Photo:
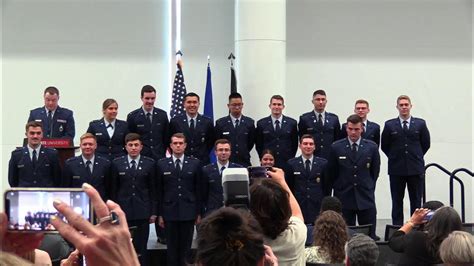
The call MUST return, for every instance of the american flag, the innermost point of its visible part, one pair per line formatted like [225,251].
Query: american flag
[179,90]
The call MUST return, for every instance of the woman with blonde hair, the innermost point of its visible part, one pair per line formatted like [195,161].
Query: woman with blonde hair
[457,249]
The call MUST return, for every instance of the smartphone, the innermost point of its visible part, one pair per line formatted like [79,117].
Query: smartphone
[258,171]
[29,209]
[428,216]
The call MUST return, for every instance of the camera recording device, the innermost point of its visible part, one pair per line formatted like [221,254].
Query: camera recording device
[30,209]
[258,171]
[235,183]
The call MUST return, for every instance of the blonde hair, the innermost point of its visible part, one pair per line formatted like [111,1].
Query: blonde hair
[457,249]
[9,259]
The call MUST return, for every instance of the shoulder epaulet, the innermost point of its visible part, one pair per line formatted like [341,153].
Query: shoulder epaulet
[146,158]
[339,141]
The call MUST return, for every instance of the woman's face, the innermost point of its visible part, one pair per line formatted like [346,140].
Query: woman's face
[267,160]
[110,113]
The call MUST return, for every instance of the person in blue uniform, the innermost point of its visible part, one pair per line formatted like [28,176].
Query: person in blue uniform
[371,129]
[213,193]
[109,131]
[238,129]
[57,122]
[405,141]
[307,175]
[198,129]
[179,192]
[355,166]
[34,165]
[134,189]
[151,123]
[88,168]
[278,133]
[323,126]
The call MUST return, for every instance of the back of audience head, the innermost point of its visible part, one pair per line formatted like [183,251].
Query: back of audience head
[432,205]
[331,203]
[271,207]
[457,249]
[230,237]
[444,221]
[330,235]
[361,250]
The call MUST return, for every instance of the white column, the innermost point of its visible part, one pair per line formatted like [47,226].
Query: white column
[260,47]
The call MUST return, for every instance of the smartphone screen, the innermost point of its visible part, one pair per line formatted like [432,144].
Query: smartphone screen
[257,172]
[31,209]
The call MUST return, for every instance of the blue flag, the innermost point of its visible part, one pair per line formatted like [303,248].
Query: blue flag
[208,104]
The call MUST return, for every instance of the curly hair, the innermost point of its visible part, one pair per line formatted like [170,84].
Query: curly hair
[330,234]
[269,203]
[229,237]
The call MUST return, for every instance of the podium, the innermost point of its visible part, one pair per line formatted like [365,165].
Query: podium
[64,146]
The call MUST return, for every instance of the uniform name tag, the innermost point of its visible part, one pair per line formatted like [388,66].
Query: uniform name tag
[225,133]
[393,133]
[342,157]
[167,173]
[76,177]
[190,173]
[121,173]
[266,132]
[296,173]
[62,121]
[38,120]
[310,128]
[98,134]
[140,125]
[47,164]
[20,165]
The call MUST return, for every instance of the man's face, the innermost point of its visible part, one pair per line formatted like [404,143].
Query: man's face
[88,147]
[235,106]
[223,152]
[354,131]
[307,146]
[148,100]
[111,111]
[319,102]
[361,109]
[178,146]
[134,148]
[51,101]
[34,136]
[404,107]
[276,106]
[191,104]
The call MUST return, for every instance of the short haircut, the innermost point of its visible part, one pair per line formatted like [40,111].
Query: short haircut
[229,236]
[320,92]
[457,249]
[235,95]
[270,205]
[132,137]
[191,94]
[221,141]
[107,103]
[306,136]
[432,205]
[361,250]
[147,88]
[88,136]
[362,101]
[179,136]
[33,124]
[354,119]
[277,97]
[51,90]
[331,203]
[403,97]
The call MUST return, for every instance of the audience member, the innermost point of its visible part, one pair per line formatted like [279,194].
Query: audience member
[277,210]
[432,205]
[421,247]
[330,236]
[229,236]
[457,249]
[361,250]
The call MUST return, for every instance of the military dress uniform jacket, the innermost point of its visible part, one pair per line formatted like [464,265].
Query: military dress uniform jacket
[372,132]
[355,177]
[241,138]
[154,135]
[199,143]
[309,188]
[46,173]
[323,137]
[107,147]
[75,174]
[283,144]
[179,192]
[135,190]
[63,122]
[212,191]
[405,150]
